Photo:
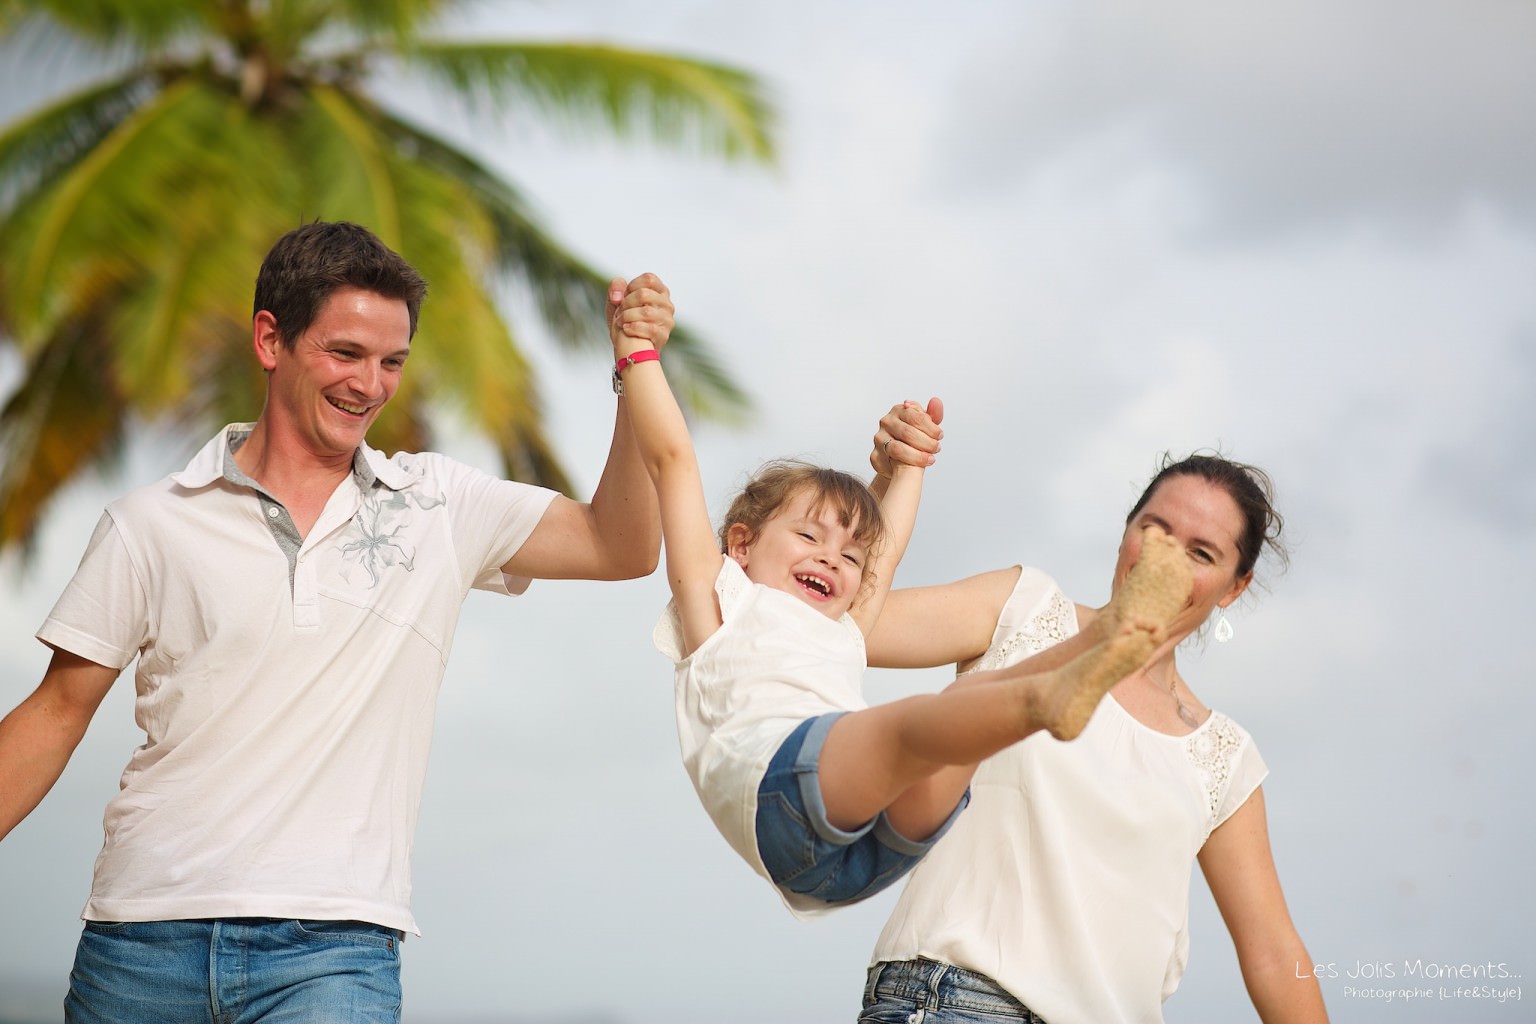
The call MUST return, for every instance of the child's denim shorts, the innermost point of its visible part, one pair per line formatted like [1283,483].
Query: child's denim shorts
[803,851]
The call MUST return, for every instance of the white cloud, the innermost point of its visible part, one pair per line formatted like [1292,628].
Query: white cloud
[1284,115]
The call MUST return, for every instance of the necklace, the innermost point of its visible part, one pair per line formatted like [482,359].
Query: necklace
[1185,715]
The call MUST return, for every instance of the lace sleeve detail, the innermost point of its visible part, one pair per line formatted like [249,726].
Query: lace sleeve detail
[1215,753]
[1054,623]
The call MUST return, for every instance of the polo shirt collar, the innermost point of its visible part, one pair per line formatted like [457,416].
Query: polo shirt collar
[372,464]
[368,464]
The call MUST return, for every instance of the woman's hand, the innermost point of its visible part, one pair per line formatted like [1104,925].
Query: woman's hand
[909,434]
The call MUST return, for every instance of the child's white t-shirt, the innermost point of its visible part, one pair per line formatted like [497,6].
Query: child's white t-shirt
[773,663]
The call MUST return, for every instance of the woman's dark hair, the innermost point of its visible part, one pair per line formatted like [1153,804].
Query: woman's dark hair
[1248,486]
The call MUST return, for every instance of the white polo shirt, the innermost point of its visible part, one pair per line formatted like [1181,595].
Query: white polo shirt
[286,689]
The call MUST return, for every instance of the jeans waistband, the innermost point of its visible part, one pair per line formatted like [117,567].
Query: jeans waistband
[932,984]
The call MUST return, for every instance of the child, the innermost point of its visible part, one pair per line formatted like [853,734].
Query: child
[827,798]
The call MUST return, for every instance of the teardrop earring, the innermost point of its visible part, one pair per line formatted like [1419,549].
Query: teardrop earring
[1223,626]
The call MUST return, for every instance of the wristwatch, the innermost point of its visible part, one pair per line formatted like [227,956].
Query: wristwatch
[644,355]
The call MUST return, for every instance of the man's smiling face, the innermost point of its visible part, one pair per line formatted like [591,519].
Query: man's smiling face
[329,387]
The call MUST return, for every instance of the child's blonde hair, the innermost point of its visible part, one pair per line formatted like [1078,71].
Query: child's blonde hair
[772,487]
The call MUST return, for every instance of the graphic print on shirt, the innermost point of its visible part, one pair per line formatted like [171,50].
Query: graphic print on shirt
[378,538]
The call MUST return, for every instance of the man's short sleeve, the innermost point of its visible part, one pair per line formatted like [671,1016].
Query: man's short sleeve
[492,519]
[103,614]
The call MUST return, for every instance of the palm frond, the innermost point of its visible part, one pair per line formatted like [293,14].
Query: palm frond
[176,312]
[398,20]
[67,196]
[370,160]
[692,104]
[570,295]
[107,22]
[66,415]
[167,177]
[39,147]
[560,284]
[466,361]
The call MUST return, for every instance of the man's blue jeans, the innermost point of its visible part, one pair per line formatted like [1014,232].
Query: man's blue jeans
[235,971]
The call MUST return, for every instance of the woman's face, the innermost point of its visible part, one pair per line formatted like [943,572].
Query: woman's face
[1205,520]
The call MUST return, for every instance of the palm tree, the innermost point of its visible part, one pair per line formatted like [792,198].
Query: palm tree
[133,214]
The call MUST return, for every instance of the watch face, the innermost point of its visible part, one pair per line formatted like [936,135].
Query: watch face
[618,383]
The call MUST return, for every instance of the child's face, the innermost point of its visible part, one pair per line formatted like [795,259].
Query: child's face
[805,553]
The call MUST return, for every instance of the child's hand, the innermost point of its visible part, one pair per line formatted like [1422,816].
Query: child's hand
[640,314]
[909,435]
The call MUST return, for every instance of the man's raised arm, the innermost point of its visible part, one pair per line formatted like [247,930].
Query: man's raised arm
[618,534]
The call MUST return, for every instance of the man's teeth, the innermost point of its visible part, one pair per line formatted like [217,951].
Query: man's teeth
[355,410]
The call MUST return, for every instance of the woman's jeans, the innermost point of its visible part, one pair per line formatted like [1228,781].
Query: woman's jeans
[929,992]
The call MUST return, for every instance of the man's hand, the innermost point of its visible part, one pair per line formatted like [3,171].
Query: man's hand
[639,311]
[909,434]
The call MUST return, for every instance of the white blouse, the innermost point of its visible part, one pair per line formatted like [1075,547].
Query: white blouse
[774,662]
[1067,879]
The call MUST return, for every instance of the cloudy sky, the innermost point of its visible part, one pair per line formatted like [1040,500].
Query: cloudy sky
[1099,229]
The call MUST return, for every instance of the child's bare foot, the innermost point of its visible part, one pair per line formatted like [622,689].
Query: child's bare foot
[1063,699]
[1155,590]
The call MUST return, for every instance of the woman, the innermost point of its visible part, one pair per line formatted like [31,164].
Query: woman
[1061,895]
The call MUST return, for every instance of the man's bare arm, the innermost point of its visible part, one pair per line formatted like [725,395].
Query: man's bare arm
[618,534]
[38,737]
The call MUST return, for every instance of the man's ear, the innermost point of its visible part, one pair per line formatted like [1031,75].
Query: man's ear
[738,541]
[266,339]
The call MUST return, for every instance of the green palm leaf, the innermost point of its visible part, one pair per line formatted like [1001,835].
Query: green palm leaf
[39,146]
[111,22]
[673,99]
[66,416]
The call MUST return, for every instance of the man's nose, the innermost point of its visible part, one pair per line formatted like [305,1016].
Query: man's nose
[370,379]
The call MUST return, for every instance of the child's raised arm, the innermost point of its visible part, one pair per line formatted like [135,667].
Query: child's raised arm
[937,625]
[898,503]
[661,434]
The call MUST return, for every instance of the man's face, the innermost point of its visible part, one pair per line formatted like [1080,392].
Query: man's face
[328,389]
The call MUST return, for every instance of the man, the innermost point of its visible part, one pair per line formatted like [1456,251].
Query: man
[291,597]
